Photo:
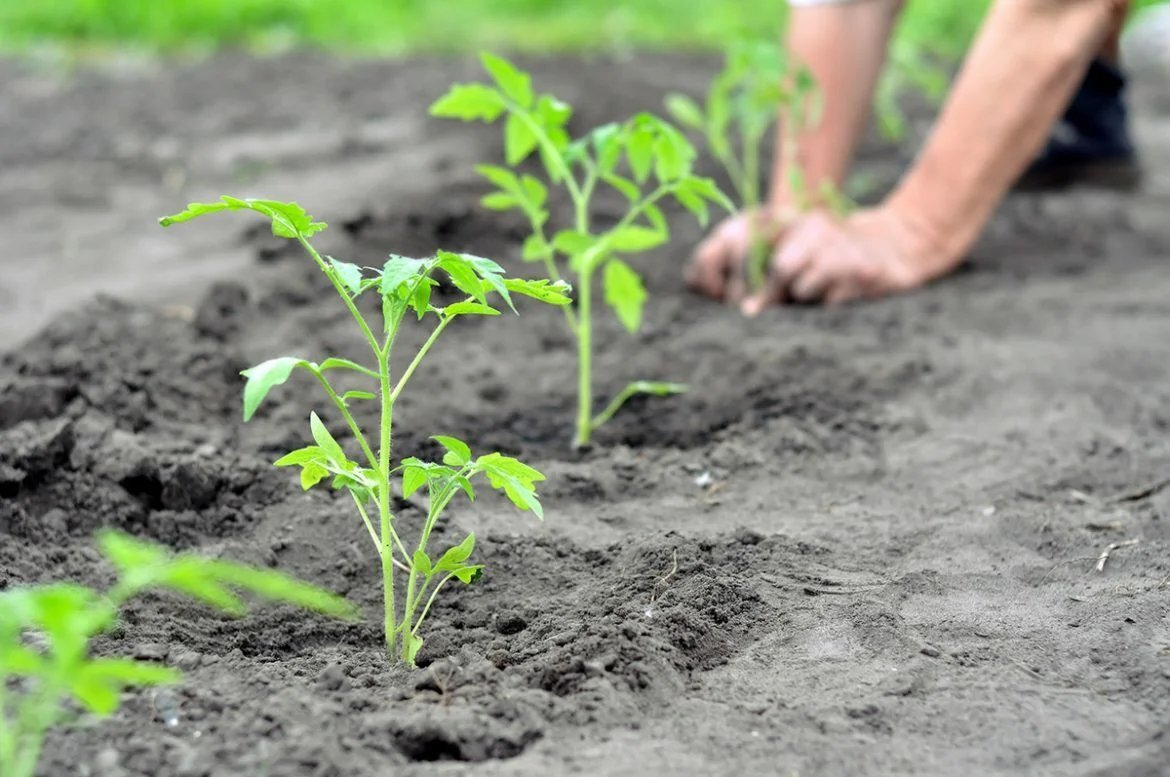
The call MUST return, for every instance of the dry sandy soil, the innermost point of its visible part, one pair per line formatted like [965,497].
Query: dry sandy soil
[886,518]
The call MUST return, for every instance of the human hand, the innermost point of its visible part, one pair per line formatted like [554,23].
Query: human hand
[824,259]
[717,268]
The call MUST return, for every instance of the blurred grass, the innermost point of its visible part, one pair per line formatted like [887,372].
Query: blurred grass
[409,26]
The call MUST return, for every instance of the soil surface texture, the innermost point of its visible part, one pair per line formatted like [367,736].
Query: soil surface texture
[865,542]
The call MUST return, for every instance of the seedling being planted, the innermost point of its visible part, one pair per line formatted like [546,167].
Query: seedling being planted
[404,287]
[757,87]
[657,166]
[46,670]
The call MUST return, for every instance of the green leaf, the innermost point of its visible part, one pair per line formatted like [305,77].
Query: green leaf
[288,218]
[301,456]
[422,564]
[572,243]
[492,274]
[333,363]
[312,473]
[469,309]
[695,204]
[347,396]
[516,479]
[656,388]
[672,155]
[513,82]
[462,274]
[454,557]
[519,140]
[640,153]
[627,187]
[685,111]
[399,271]
[469,102]
[500,176]
[413,478]
[458,452]
[99,683]
[264,377]
[350,275]
[625,293]
[535,192]
[469,574]
[279,587]
[499,201]
[536,248]
[329,445]
[544,290]
[633,239]
[552,114]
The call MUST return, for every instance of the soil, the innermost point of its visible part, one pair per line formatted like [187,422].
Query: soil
[864,543]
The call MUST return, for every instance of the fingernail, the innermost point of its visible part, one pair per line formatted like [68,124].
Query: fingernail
[752,306]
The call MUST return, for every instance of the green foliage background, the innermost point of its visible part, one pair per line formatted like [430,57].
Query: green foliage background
[408,26]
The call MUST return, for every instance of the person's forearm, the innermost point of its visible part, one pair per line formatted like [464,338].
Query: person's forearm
[1018,77]
[844,46]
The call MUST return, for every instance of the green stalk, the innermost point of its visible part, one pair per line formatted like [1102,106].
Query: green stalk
[384,501]
[584,332]
[584,359]
[430,601]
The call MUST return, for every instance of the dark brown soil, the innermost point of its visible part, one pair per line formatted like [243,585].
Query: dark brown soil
[885,518]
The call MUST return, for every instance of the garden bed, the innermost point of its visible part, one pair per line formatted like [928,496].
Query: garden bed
[864,542]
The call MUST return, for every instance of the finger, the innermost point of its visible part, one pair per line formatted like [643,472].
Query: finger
[813,283]
[842,292]
[707,271]
[795,253]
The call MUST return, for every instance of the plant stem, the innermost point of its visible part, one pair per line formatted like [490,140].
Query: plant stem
[418,357]
[384,501]
[349,419]
[584,358]
[342,292]
[430,601]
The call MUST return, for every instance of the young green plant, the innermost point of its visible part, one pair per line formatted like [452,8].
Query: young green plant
[757,87]
[47,671]
[403,286]
[657,166]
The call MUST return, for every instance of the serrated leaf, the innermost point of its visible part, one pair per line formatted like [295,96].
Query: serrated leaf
[553,293]
[329,446]
[492,274]
[535,192]
[458,452]
[695,204]
[469,574]
[288,218]
[399,271]
[633,239]
[513,82]
[672,156]
[454,557]
[469,102]
[349,274]
[469,309]
[552,114]
[500,176]
[519,140]
[413,478]
[334,363]
[685,111]
[625,293]
[462,274]
[516,479]
[264,377]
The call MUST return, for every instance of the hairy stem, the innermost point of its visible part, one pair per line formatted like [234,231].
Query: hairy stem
[584,358]
[384,501]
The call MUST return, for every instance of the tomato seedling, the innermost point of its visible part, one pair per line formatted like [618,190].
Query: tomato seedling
[659,160]
[404,286]
[756,88]
[46,632]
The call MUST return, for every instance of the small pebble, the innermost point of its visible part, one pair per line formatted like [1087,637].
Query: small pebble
[151,651]
[933,652]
